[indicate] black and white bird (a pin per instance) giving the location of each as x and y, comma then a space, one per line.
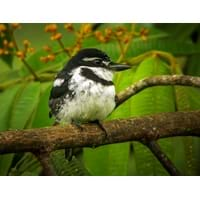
83, 91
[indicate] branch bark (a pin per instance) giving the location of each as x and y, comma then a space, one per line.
45, 161
137, 129
154, 81
157, 81
148, 128
162, 157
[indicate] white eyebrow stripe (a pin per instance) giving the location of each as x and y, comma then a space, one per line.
90, 59
106, 62
58, 82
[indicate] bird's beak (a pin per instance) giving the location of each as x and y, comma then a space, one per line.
118, 67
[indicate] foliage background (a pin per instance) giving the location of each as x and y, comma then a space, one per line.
23, 101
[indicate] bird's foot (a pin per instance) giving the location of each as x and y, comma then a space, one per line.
77, 125
101, 127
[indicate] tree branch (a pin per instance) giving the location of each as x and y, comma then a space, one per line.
157, 81
148, 128
137, 129
45, 161
162, 157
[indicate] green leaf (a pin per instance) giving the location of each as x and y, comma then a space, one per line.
24, 106
152, 100
9, 75
111, 49
179, 31
5, 163
64, 167
107, 160
28, 165
164, 43
6, 98
188, 99
42, 114
192, 67
19, 104
156, 99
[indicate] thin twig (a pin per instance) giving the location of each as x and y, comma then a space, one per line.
30, 69
63, 47
22, 59
156, 81
162, 157
126, 45
45, 160
165, 55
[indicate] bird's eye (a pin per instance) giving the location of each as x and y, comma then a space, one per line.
97, 61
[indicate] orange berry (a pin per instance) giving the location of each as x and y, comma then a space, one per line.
86, 28
6, 52
15, 25
126, 39
69, 27
2, 27
119, 33
47, 48
44, 59
30, 49
51, 28
144, 33
108, 31
26, 43
5, 43
1, 51
56, 36
102, 39
20, 54
2, 34
97, 34
11, 44
121, 28
51, 57
107, 39
78, 46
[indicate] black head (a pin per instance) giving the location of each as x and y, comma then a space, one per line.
92, 57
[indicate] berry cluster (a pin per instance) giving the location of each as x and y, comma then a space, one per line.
27, 49
9, 45
121, 34
81, 34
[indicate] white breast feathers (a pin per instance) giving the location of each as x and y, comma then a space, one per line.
92, 100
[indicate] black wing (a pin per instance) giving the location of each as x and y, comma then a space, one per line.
58, 93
